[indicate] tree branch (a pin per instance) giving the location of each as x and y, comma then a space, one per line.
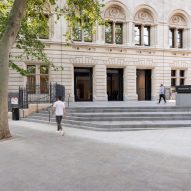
14, 23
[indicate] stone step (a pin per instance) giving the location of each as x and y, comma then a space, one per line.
118, 118
116, 126
119, 114
122, 110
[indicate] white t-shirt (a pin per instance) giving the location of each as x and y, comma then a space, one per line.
59, 105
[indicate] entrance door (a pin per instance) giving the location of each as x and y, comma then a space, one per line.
115, 84
83, 84
144, 84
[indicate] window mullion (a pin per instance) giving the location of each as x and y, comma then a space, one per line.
175, 38
82, 35
113, 33
142, 35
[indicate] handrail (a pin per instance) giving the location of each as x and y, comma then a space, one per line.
68, 100
49, 112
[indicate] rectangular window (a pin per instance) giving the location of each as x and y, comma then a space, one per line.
171, 38
77, 33
181, 73
38, 79
173, 73
109, 32
180, 38
44, 27
181, 82
147, 35
87, 33
137, 32
173, 81
31, 79
43, 79
118, 33
177, 79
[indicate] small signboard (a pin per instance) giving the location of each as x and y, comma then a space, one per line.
183, 89
14, 101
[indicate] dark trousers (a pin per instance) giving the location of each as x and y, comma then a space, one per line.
58, 121
162, 96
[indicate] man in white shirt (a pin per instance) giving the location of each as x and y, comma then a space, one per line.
60, 111
162, 93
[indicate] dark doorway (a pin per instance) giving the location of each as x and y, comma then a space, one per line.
144, 84
83, 84
115, 84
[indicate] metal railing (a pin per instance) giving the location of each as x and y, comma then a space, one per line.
37, 94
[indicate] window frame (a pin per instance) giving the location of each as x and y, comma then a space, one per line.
141, 28
149, 35
38, 87
140, 36
110, 23
121, 28
177, 77
176, 36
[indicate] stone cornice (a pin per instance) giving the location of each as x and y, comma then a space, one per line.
121, 49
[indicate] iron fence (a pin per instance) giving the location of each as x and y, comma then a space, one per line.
37, 94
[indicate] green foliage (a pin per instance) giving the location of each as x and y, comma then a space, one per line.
34, 26
84, 13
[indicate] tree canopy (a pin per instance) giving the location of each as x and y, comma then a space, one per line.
22, 24
34, 25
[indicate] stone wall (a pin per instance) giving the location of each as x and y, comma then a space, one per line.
160, 14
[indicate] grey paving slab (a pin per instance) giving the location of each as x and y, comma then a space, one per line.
39, 159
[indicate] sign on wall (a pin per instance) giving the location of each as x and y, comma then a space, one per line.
183, 89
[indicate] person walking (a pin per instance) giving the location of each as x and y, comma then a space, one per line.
162, 93
60, 112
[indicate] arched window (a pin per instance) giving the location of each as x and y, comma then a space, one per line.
177, 25
114, 28
143, 23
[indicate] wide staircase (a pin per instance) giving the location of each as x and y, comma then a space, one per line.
119, 118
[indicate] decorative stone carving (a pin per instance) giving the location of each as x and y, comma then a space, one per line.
85, 60
180, 64
115, 13
115, 61
144, 16
145, 63
177, 20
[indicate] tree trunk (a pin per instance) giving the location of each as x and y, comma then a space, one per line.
4, 128
6, 43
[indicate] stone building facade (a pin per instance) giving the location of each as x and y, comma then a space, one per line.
146, 43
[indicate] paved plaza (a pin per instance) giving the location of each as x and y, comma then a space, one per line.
39, 159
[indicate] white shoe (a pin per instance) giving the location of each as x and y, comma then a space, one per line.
62, 132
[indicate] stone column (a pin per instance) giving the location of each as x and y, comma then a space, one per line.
125, 84
130, 82
177, 77
124, 33
100, 34
187, 76
99, 82
130, 37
